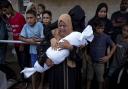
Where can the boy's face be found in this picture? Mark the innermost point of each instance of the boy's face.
(31, 19)
(125, 31)
(99, 30)
(46, 19)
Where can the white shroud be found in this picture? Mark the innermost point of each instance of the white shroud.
(58, 56)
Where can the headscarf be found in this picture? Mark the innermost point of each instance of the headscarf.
(107, 22)
(78, 20)
(67, 20)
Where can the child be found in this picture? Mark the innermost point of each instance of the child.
(120, 57)
(32, 33)
(41, 8)
(46, 17)
(98, 54)
(57, 56)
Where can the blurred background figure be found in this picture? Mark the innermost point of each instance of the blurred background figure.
(41, 8)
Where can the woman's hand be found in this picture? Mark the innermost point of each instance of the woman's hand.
(54, 43)
(49, 63)
(64, 45)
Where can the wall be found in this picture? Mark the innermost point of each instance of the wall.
(63, 6)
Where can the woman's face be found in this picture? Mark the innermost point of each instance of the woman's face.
(99, 30)
(102, 13)
(62, 29)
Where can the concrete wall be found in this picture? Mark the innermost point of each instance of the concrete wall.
(58, 7)
(63, 6)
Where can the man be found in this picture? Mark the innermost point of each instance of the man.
(119, 18)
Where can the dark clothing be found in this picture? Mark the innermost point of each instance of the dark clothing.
(78, 18)
(120, 56)
(118, 17)
(98, 46)
(120, 60)
(23, 57)
(107, 23)
(45, 43)
(47, 32)
(62, 76)
(3, 36)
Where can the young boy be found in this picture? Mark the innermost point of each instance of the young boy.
(120, 60)
(32, 33)
(98, 49)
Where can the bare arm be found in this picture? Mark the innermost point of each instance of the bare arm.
(109, 55)
(29, 40)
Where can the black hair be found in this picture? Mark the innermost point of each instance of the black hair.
(78, 18)
(101, 5)
(6, 4)
(98, 23)
(47, 12)
(42, 6)
(31, 12)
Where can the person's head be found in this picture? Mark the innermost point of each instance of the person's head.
(31, 17)
(31, 6)
(77, 14)
(46, 17)
(64, 25)
(102, 10)
(99, 26)
(7, 8)
(125, 31)
(124, 5)
(41, 8)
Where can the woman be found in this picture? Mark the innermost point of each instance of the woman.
(101, 13)
(67, 74)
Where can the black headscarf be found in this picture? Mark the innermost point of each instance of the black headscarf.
(78, 18)
(100, 6)
(107, 22)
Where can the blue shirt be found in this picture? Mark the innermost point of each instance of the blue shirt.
(99, 46)
(33, 31)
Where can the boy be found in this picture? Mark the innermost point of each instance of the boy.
(16, 21)
(98, 49)
(32, 33)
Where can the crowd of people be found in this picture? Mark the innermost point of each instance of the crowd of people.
(106, 56)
